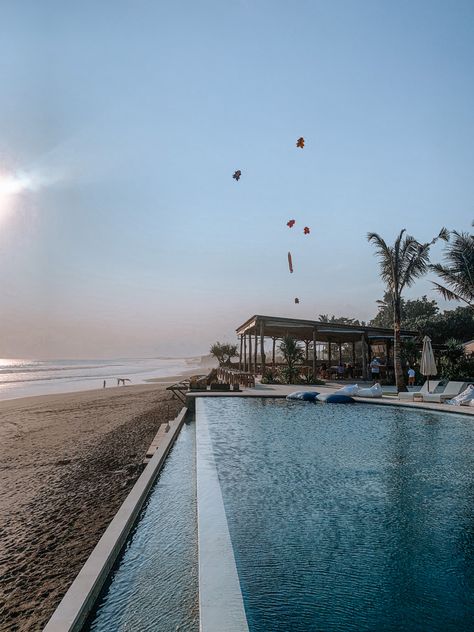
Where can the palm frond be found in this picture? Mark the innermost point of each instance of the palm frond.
(415, 263)
(458, 270)
(449, 295)
(385, 256)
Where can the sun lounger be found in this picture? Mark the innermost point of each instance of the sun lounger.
(412, 395)
(452, 389)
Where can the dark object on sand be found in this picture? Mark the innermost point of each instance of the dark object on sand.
(122, 380)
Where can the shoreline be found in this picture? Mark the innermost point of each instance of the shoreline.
(68, 460)
(171, 379)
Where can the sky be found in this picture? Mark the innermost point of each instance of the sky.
(122, 232)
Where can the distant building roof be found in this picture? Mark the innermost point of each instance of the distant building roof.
(469, 347)
(276, 326)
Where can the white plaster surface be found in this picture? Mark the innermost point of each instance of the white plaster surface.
(221, 606)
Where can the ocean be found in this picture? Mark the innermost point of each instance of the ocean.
(24, 378)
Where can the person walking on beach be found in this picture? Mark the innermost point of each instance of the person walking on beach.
(104, 384)
(411, 376)
(375, 370)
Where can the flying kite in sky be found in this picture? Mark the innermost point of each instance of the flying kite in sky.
(306, 230)
(290, 262)
(300, 142)
(237, 175)
(291, 223)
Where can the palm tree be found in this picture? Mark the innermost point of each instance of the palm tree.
(458, 272)
(293, 354)
(400, 265)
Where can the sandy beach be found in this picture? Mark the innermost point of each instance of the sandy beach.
(67, 462)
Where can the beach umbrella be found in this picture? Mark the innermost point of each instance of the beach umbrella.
(428, 363)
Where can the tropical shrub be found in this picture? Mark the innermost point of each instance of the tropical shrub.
(293, 356)
(223, 352)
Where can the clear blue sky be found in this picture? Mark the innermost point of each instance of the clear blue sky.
(126, 120)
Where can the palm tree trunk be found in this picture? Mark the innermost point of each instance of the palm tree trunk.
(397, 360)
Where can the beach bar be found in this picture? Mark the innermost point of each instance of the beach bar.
(324, 344)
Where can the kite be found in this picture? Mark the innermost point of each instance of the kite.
(297, 301)
(306, 230)
(300, 142)
(290, 262)
(291, 223)
(237, 175)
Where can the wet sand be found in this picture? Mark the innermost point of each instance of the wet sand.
(67, 462)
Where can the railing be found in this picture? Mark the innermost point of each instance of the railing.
(235, 377)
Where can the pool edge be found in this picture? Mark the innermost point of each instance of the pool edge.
(79, 599)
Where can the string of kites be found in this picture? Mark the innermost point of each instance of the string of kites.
(306, 230)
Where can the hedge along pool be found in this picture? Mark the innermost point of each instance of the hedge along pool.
(337, 518)
(346, 518)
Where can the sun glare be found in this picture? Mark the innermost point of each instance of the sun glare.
(11, 186)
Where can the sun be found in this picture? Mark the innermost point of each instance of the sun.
(11, 186)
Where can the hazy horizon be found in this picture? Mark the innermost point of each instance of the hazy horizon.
(122, 232)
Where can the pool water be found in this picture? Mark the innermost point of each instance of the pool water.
(154, 585)
(347, 517)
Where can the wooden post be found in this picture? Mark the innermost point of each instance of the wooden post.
(255, 351)
(250, 353)
(240, 354)
(340, 353)
(364, 357)
(273, 352)
(262, 345)
(353, 353)
(388, 375)
(314, 354)
(306, 354)
(245, 353)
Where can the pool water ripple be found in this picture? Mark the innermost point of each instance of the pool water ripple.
(154, 585)
(347, 518)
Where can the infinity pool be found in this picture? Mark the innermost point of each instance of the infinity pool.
(311, 518)
(347, 517)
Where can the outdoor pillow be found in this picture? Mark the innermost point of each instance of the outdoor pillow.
(373, 391)
(307, 396)
(463, 399)
(335, 398)
(350, 389)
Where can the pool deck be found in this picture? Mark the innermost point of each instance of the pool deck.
(282, 390)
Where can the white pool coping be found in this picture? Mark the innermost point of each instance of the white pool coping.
(79, 600)
(221, 606)
(282, 390)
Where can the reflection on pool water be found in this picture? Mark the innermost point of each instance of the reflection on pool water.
(347, 518)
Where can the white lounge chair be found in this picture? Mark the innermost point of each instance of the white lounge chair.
(412, 395)
(452, 389)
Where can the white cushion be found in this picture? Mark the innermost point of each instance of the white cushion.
(373, 391)
(463, 399)
(350, 389)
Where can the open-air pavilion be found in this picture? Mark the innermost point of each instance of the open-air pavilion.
(324, 344)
